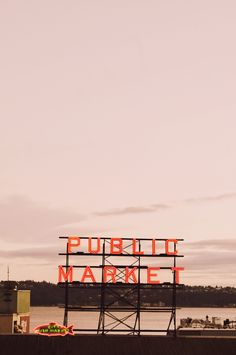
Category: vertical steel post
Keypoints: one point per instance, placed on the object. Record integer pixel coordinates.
(174, 292)
(101, 322)
(65, 322)
(139, 281)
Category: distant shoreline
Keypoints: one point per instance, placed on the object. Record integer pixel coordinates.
(46, 294)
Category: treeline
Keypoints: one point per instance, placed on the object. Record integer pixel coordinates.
(49, 294)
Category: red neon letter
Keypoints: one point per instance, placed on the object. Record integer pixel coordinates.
(116, 243)
(88, 274)
(134, 248)
(167, 246)
(110, 271)
(97, 250)
(177, 270)
(71, 244)
(150, 274)
(67, 276)
(154, 247)
(130, 273)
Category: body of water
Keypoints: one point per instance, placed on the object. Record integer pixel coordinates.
(43, 315)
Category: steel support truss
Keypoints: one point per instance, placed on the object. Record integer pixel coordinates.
(121, 303)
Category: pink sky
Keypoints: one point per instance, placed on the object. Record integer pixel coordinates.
(118, 118)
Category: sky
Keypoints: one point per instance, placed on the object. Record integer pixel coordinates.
(118, 119)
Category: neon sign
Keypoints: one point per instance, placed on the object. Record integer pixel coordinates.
(118, 247)
(53, 329)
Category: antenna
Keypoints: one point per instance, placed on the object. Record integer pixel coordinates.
(8, 272)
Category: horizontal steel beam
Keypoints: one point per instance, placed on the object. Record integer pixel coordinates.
(81, 253)
(108, 238)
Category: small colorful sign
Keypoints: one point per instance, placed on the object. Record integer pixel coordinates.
(53, 329)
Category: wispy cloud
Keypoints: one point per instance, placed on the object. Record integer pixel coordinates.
(28, 221)
(132, 210)
(210, 198)
(212, 255)
(44, 253)
(209, 261)
(213, 244)
(162, 206)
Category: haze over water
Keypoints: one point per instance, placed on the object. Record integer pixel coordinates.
(44, 315)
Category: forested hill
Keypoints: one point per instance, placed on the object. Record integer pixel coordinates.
(49, 294)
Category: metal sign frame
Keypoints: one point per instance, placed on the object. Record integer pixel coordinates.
(114, 318)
